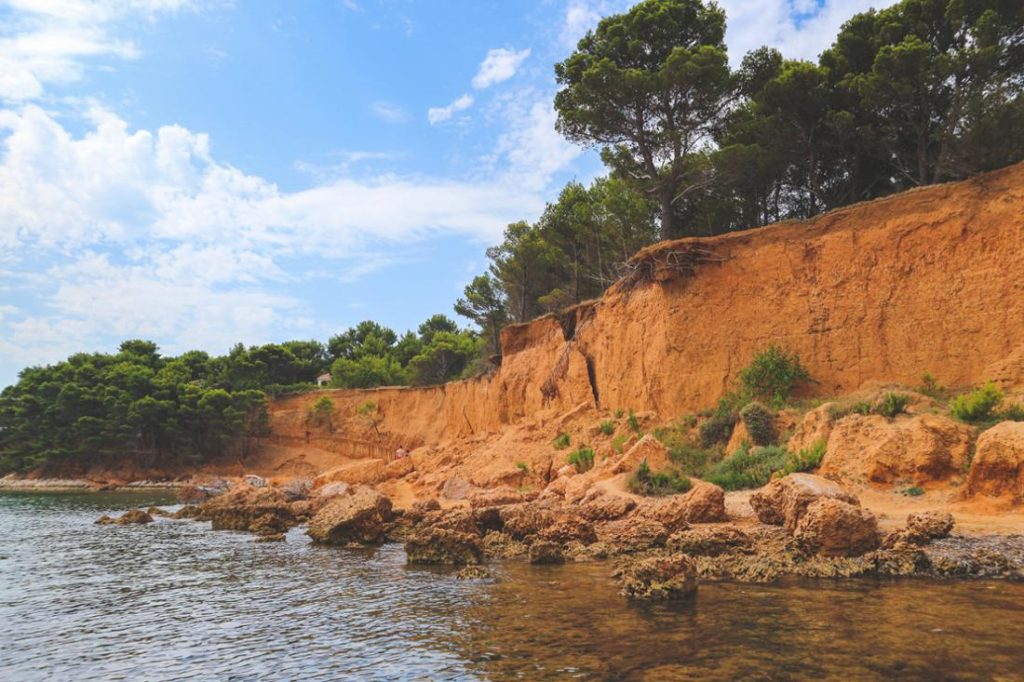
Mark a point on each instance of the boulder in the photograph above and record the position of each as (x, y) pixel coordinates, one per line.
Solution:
(360, 517)
(249, 509)
(255, 481)
(495, 498)
(921, 529)
(832, 527)
(662, 577)
(710, 541)
(457, 488)
(649, 448)
(568, 528)
(566, 470)
(604, 506)
(785, 500)
(997, 470)
(129, 518)
(872, 449)
(632, 534)
(557, 487)
(457, 519)
(704, 503)
(436, 545)
(546, 552)
(576, 488)
(362, 471)
(399, 468)
(815, 426)
(522, 521)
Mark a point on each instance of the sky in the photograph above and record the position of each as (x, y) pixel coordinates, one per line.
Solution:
(207, 173)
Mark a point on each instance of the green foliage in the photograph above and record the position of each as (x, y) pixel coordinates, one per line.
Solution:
(620, 413)
(607, 427)
(718, 426)
(977, 406)
(523, 467)
(1012, 413)
(643, 481)
(861, 407)
(930, 386)
(618, 442)
(892, 404)
(320, 414)
(807, 459)
(633, 422)
(913, 491)
(486, 305)
(582, 459)
(367, 408)
(772, 375)
(748, 467)
(562, 441)
(760, 423)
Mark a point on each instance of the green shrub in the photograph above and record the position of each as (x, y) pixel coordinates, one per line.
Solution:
(892, 404)
(862, 407)
(620, 413)
(582, 459)
(807, 459)
(717, 427)
(668, 482)
(369, 407)
(1013, 413)
(634, 423)
(522, 466)
(618, 442)
(694, 460)
(608, 427)
(748, 467)
(562, 441)
(320, 413)
(913, 491)
(760, 423)
(930, 386)
(772, 375)
(978, 405)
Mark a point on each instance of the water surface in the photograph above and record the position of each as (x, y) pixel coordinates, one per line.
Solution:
(174, 600)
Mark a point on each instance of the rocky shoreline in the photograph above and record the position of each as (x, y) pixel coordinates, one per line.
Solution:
(82, 485)
(659, 547)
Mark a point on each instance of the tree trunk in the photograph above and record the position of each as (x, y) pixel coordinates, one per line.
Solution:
(667, 221)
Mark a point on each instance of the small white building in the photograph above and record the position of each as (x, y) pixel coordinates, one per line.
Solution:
(323, 379)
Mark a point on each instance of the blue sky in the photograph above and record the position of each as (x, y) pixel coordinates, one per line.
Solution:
(201, 173)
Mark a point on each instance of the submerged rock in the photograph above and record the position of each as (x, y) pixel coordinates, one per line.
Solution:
(710, 541)
(474, 572)
(632, 534)
(249, 509)
(130, 517)
(546, 552)
(360, 517)
(659, 577)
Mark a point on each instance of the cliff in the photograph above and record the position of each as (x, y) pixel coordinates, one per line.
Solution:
(885, 290)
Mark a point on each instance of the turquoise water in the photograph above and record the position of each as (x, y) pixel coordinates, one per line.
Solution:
(174, 601)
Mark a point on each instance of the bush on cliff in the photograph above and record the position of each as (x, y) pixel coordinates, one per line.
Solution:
(978, 405)
(807, 459)
(892, 404)
(760, 423)
(748, 467)
(582, 459)
(772, 376)
(643, 481)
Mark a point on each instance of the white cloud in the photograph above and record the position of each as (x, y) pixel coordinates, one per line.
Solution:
(389, 112)
(499, 65)
(49, 41)
(440, 114)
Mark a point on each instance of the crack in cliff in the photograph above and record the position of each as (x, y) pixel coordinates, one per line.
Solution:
(592, 377)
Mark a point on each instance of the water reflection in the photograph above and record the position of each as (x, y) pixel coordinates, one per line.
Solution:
(176, 601)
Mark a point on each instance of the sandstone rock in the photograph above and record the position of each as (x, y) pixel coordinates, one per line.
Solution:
(424, 506)
(605, 507)
(704, 503)
(457, 519)
(815, 426)
(271, 537)
(189, 511)
(522, 521)
(333, 489)
(360, 517)
(997, 470)
(246, 508)
(557, 487)
(649, 448)
(495, 498)
(157, 511)
(576, 488)
(568, 528)
(399, 468)
(363, 471)
(871, 448)
(663, 577)
(632, 534)
(921, 529)
(739, 436)
(435, 545)
(457, 488)
(710, 541)
(566, 471)
(831, 527)
(133, 517)
(255, 481)
(784, 501)
(473, 572)
(546, 552)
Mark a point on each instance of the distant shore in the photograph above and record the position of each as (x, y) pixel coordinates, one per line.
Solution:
(80, 485)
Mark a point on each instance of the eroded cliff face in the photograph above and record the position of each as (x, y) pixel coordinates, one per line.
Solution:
(931, 279)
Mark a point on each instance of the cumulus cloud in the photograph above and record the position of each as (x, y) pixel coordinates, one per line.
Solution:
(440, 114)
(499, 65)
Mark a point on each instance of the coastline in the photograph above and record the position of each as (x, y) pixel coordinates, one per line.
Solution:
(59, 485)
